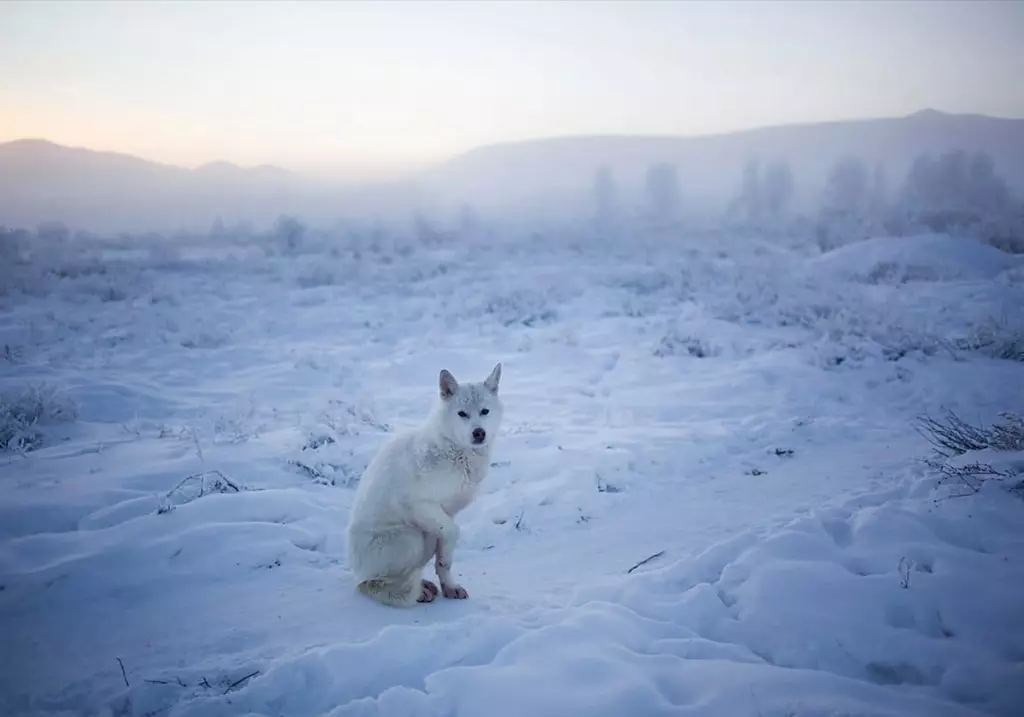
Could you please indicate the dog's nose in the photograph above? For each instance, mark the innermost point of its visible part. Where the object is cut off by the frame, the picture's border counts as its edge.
(479, 435)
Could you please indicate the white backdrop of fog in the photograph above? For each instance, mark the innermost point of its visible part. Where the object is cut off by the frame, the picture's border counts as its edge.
(636, 107)
(852, 179)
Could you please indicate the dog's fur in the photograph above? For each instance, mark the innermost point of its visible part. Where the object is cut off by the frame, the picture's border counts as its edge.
(403, 511)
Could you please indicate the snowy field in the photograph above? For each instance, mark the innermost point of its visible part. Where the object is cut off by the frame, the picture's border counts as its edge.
(172, 528)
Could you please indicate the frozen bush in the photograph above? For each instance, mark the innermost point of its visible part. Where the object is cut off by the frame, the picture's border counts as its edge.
(995, 339)
(953, 436)
(520, 306)
(973, 455)
(676, 344)
(55, 232)
(23, 413)
(196, 486)
(288, 234)
(14, 252)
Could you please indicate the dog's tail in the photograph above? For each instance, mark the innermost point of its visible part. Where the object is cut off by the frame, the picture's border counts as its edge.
(389, 592)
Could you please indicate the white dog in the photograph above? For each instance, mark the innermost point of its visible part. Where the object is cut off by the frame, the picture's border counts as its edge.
(402, 514)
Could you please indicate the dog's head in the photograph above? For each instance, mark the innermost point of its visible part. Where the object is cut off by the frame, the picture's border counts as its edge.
(470, 412)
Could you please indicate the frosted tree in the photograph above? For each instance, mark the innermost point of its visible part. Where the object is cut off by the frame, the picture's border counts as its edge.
(952, 183)
(878, 194)
(289, 233)
(468, 220)
(988, 191)
(605, 195)
(846, 189)
(662, 190)
(844, 215)
(777, 188)
(53, 232)
(955, 182)
(917, 191)
(750, 201)
(427, 234)
(961, 192)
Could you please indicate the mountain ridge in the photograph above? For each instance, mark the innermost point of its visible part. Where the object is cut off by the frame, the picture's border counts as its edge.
(41, 180)
(709, 167)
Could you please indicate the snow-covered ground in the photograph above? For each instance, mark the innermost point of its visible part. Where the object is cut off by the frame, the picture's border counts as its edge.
(741, 411)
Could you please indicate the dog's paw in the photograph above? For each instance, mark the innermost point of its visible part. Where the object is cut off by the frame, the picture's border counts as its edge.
(456, 591)
(428, 591)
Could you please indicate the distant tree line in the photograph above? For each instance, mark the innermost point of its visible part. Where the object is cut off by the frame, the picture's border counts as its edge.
(956, 191)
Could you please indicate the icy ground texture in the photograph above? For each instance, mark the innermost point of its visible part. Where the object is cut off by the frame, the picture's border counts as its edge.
(743, 411)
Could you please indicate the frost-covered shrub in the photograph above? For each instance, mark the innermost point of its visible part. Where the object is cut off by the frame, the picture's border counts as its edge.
(676, 343)
(335, 451)
(24, 413)
(526, 307)
(953, 436)
(196, 486)
(205, 340)
(996, 339)
(14, 257)
(163, 253)
(288, 235)
(14, 245)
(316, 276)
(973, 455)
(1006, 232)
(1010, 243)
(53, 232)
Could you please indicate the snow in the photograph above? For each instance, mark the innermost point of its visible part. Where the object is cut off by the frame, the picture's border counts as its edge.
(926, 257)
(742, 411)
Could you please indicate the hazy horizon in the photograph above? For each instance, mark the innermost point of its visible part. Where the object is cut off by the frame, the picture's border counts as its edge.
(388, 87)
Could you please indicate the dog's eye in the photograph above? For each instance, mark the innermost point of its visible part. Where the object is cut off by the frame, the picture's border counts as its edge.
(485, 411)
(463, 414)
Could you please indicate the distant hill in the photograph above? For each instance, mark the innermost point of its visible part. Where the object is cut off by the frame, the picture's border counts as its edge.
(37, 168)
(110, 192)
(709, 167)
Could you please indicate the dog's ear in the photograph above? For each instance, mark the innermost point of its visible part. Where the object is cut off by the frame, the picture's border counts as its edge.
(491, 382)
(448, 384)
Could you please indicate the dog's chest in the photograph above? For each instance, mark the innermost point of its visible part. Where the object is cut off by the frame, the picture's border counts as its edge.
(459, 499)
(454, 483)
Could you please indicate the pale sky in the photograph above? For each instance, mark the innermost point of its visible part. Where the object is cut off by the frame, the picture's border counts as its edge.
(388, 84)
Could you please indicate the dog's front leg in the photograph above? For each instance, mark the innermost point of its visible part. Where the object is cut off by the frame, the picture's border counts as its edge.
(443, 566)
(432, 520)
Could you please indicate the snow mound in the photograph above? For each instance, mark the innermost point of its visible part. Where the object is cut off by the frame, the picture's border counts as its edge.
(927, 257)
(870, 607)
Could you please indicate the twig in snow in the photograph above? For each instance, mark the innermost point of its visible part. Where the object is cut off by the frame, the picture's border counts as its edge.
(952, 436)
(848, 654)
(971, 476)
(905, 566)
(236, 683)
(218, 483)
(124, 675)
(757, 702)
(519, 520)
(646, 560)
(312, 472)
(176, 681)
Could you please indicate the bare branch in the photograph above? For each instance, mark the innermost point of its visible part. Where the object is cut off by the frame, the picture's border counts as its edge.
(646, 560)
(236, 683)
(124, 675)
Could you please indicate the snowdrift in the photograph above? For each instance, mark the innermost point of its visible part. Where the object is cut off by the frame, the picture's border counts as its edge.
(928, 257)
